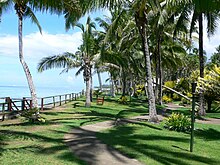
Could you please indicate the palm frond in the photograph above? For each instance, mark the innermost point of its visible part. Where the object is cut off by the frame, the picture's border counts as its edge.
(29, 13)
(57, 61)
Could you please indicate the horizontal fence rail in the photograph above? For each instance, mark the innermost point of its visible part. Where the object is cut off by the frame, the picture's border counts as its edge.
(8, 105)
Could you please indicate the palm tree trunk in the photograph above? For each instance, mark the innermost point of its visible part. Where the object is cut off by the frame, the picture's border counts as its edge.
(201, 60)
(159, 71)
(91, 84)
(24, 64)
(112, 87)
(88, 90)
(100, 80)
(141, 24)
(123, 83)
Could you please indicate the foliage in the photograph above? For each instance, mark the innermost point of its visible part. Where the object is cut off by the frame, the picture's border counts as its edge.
(176, 97)
(33, 116)
(215, 58)
(211, 82)
(140, 90)
(166, 99)
(97, 93)
(184, 102)
(170, 84)
(123, 100)
(177, 122)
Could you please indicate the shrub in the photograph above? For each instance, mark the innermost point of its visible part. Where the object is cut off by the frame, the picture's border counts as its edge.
(184, 102)
(176, 97)
(123, 100)
(97, 93)
(178, 122)
(166, 99)
(33, 116)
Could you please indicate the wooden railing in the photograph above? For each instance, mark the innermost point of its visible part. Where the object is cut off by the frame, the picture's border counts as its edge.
(58, 100)
(14, 104)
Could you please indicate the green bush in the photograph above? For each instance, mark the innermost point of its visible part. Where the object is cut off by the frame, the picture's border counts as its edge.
(178, 122)
(184, 102)
(166, 99)
(33, 116)
(176, 97)
(97, 93)
(140, 90)
(123, 100)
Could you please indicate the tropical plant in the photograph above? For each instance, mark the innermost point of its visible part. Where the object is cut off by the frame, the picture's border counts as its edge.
(123, 100)
(177, 122)
(211, 85)
(215, 58)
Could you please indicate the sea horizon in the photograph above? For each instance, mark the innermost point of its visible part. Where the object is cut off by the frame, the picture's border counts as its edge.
(20, 91)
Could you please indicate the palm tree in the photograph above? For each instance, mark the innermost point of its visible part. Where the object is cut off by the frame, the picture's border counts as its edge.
(199, 9)
(83, 58)
(24, 9)
(210, 10)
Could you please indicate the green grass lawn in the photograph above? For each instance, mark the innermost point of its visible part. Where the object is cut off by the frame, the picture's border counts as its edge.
(152, 144)
(25, 143)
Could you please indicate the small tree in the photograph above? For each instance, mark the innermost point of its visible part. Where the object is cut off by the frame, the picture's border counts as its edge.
(211, 85)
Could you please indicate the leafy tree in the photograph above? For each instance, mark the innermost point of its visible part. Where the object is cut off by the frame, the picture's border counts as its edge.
(211, 85)
(215, 58)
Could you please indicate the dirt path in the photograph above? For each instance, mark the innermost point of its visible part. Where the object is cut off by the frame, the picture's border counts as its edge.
(209, 121)
(87, 147)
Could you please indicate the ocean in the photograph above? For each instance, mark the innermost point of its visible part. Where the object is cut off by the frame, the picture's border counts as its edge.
(22, 91)
(18, 92)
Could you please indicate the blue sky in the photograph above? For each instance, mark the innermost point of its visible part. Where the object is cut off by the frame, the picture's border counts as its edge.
(54, 40)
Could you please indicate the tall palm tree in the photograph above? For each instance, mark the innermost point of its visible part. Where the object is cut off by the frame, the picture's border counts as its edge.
(24, 9)
(140, 8)
(200, 9)
(83, 58)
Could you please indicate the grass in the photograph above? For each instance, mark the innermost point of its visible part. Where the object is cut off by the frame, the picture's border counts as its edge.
(25, 143)
(155, 145)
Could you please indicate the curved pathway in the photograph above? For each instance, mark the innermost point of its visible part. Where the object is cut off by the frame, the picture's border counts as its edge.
(87, 147)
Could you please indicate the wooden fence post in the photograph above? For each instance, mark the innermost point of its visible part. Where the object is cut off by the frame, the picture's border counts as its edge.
(65, 99)
(31, 104)
(54, 104)
(72, 96)
(8, 100)
(60, 100)
(23, 104)
(42, 104)
(3, 111)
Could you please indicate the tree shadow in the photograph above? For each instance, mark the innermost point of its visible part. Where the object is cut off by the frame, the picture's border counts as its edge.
(125, 136)
(58, 145)
(208, 134)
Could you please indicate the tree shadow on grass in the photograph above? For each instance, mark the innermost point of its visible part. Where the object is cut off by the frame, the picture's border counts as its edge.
(208, 134)
(135, 145)
(57, 145)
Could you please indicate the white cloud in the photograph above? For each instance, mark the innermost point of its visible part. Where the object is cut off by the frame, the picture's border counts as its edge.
(37, 46)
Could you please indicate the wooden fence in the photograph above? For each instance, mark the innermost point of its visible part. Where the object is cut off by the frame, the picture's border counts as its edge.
(9, 105)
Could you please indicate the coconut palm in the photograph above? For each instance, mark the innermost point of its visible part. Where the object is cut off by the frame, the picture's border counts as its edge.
(24, 9)
(83, 58)
(200, 9)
